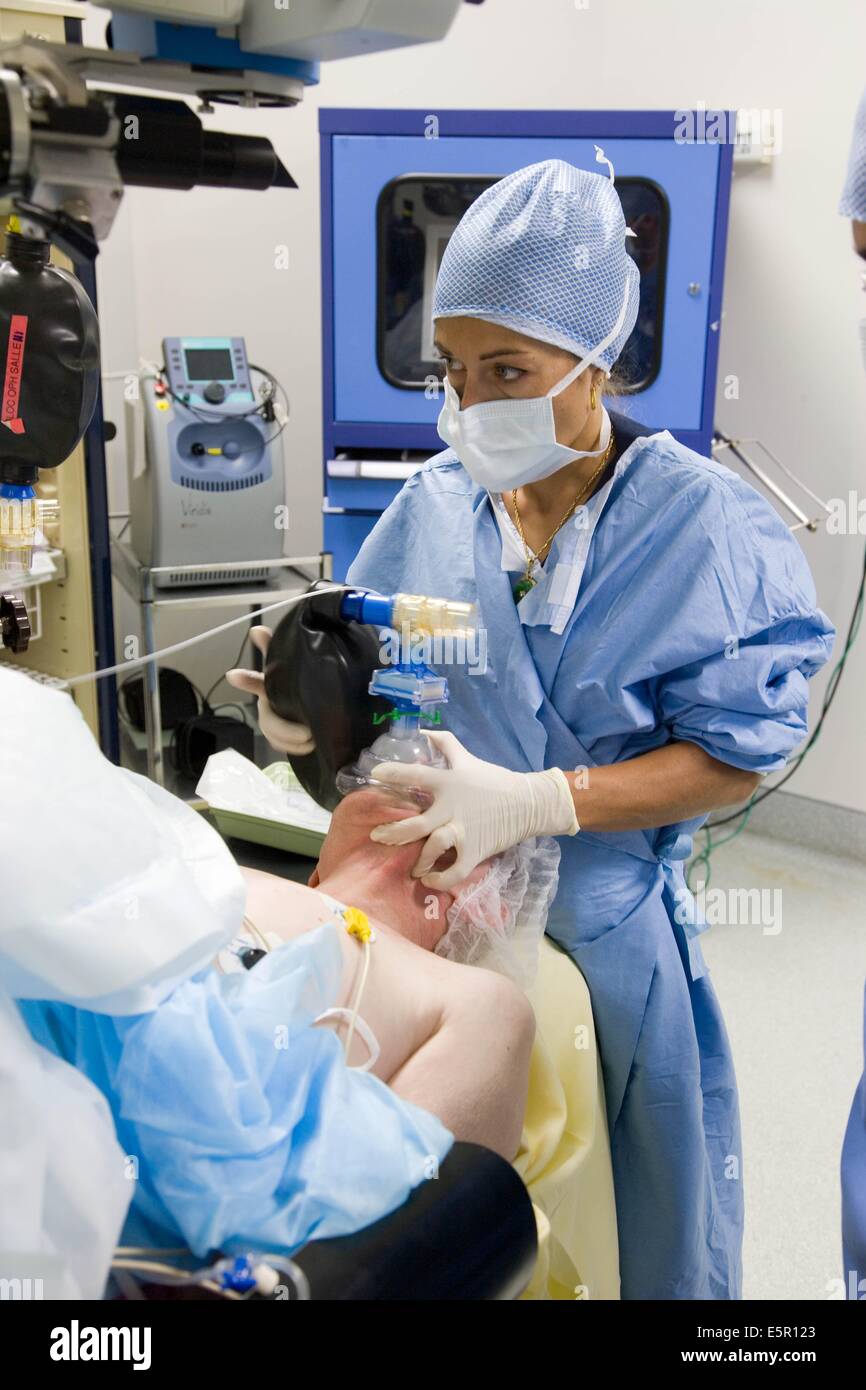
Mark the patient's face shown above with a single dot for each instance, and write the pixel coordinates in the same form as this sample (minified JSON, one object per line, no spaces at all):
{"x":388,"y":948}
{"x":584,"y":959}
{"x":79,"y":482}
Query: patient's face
{"x":378,"y":878}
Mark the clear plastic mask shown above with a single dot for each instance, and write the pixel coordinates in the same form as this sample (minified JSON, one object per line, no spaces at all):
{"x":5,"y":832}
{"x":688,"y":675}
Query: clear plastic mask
{"x":403,"y":742}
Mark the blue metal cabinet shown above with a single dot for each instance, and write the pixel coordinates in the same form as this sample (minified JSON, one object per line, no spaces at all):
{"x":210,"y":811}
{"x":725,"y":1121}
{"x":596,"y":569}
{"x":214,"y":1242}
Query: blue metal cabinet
{"x":374,"y":421}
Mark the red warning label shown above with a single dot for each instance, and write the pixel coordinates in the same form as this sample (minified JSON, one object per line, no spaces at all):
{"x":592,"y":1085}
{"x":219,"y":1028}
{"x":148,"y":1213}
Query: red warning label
{"x":12,"y":380}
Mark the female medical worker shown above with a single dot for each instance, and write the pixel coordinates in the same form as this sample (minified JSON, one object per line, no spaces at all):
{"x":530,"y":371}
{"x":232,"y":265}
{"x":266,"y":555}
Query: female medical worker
{"x":650,"y":625}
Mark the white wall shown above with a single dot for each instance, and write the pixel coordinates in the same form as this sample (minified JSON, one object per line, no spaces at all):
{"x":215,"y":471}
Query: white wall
{"x":203,"y":262}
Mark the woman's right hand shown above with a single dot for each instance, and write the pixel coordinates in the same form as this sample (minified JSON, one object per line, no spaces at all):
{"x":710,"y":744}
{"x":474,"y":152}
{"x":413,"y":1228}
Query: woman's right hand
{"x":294,"y":739}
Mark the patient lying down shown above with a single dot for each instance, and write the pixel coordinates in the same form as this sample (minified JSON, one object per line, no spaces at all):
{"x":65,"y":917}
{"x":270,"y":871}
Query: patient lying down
{"x":453,"y":1040}
{"x":238,"y":1124}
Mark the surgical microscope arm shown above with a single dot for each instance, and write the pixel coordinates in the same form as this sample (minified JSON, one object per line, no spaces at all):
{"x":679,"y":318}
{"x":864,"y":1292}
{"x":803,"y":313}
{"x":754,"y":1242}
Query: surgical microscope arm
{"x":67,"y":150}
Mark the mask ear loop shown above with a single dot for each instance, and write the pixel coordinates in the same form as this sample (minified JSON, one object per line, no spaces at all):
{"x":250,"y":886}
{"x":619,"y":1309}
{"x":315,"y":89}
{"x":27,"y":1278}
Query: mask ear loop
{"x":589,"y":358}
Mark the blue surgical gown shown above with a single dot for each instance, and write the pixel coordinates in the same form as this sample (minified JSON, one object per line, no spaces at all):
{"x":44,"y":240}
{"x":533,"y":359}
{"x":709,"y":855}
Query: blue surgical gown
{"x":854,"y":1191}
{"x":694,"y":619}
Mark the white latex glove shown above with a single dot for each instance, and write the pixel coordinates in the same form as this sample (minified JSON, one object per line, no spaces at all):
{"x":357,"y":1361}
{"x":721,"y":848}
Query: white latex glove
{"x":478,"y":809}
{"x":280,"y":733}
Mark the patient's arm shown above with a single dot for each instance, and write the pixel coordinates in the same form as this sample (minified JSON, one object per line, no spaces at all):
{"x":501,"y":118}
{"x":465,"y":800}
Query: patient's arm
{"x":455,"y":1040}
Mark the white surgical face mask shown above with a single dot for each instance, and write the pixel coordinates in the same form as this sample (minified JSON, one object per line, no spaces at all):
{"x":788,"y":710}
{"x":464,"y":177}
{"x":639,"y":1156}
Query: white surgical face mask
{"x":506,"y":444}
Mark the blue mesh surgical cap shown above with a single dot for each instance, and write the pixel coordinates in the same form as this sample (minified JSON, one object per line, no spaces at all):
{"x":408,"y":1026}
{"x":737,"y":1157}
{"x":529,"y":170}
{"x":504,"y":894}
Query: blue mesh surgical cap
{"x":543,"y":252}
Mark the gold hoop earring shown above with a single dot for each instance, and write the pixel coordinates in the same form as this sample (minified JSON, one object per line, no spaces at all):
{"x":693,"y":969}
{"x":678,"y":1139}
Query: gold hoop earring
{"x":593,"y":398}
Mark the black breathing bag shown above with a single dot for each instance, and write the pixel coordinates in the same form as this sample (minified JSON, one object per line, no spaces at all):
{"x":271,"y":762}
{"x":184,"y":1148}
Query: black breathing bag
{"x":49,"y":342}
{"x":317,"y":673}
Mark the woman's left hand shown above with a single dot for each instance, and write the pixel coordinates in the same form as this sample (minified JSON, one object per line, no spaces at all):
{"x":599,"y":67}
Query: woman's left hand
{"x":478,"y":809}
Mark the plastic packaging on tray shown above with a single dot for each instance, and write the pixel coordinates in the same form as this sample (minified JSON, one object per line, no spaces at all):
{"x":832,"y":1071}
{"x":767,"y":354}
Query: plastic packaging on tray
{"x":268,"y":807}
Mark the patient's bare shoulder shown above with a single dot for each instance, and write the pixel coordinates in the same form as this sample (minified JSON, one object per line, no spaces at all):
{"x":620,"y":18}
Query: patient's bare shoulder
{"x":282,"y":907}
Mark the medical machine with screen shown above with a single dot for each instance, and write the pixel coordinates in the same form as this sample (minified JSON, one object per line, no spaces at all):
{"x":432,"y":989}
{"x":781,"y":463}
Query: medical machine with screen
{"x":206,"y":479}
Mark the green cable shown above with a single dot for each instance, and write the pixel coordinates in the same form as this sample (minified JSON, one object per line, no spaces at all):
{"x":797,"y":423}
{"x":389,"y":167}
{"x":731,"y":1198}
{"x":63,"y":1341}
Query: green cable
{"x":704,"y":856}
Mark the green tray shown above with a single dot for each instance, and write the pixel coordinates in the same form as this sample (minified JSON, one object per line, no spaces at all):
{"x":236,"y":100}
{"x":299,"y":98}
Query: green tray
{"x":296,"y":839}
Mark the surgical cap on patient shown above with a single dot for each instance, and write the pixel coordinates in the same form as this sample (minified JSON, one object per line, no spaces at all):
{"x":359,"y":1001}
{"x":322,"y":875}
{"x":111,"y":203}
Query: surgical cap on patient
{"x":543,"y":252}
{"x":498,"y":921}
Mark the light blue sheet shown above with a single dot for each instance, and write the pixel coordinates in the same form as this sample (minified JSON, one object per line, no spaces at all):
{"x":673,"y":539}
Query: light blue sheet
{"x":242,"y":1122}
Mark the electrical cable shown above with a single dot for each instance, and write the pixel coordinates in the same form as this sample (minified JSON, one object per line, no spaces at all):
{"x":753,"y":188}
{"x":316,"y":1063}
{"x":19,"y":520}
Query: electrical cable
{"x":139,"y":661}
{"x":704,"y":855}
{"x":230,"y":704}
{"x":204,"y":418}
{"x":220,"y":679}
{"x":278,"y":433}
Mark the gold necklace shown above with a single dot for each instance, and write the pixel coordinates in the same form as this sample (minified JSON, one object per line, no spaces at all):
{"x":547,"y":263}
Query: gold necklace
{"x":522,"y":587}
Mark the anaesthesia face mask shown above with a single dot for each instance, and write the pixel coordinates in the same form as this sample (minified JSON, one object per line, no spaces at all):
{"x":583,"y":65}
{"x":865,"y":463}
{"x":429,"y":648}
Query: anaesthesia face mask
{"x":506,"y":444}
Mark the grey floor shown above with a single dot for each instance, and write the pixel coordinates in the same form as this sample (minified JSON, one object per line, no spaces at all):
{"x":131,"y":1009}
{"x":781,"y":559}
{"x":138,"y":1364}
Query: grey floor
{"x":793,"y":1003}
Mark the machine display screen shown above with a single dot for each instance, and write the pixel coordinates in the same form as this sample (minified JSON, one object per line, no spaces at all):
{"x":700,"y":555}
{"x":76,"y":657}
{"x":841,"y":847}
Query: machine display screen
{"x":209,"y":364}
